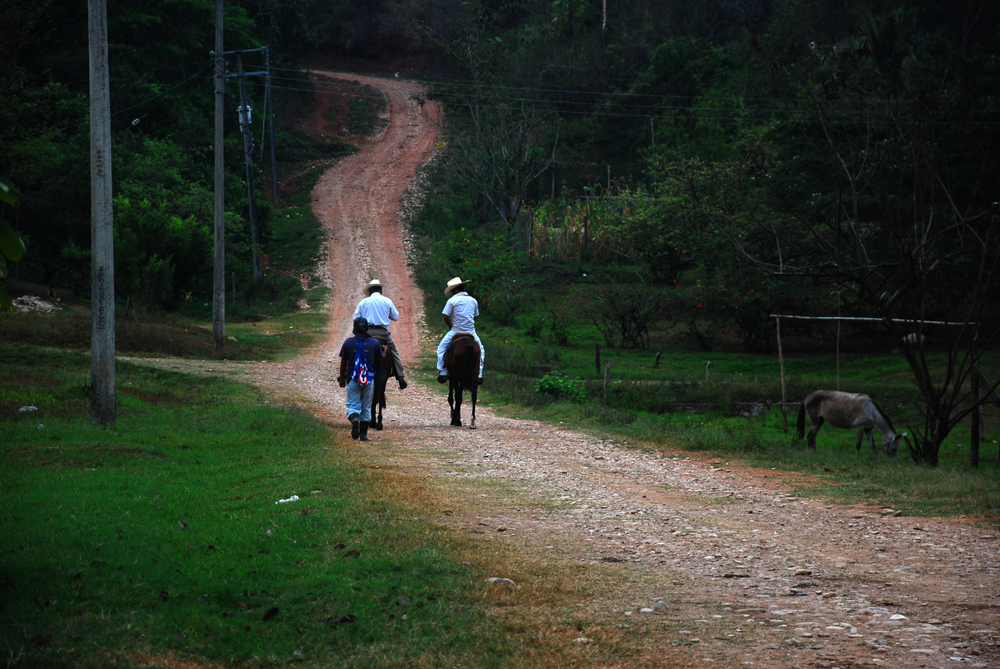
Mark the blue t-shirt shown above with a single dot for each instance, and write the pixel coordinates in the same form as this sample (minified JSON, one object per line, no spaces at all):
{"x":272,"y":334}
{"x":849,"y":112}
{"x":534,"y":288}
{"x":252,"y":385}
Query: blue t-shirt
{"x":373,"y":353}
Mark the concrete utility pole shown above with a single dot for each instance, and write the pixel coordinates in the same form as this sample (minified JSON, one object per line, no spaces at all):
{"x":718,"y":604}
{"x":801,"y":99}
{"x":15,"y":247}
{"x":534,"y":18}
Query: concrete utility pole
{"x":219,"y":285}
{"x":102,"y":305}
{"x":248,"y":150}
{"x":270,"y":113}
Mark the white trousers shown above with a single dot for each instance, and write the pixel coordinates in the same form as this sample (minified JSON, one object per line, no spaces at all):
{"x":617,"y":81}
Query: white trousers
{"x":446,"y":342}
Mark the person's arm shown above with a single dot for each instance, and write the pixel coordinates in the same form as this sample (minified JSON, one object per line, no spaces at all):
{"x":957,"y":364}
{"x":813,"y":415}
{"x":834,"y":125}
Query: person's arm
{"x":393,"y":311}
{"x":357,"y":311}
{"x":342,"y":379}
{"x":447,"y":321}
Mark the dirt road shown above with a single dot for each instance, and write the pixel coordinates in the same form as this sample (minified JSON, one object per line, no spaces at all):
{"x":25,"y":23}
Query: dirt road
{"x":747,"y":575}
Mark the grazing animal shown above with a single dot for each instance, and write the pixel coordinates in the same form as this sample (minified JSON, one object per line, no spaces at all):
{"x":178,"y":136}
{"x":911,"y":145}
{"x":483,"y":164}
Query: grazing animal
{"x":462,"y":362}
{"x":382,"y":375}
{"x":848,"y":410}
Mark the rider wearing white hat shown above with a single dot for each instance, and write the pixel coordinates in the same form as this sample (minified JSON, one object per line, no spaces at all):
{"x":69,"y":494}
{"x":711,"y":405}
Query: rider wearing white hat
{"x":460,"y":313}
{"x":379,"y":310}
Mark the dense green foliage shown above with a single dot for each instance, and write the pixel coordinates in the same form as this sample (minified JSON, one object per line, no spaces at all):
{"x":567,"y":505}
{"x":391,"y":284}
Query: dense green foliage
{"x":745,"y":159}
{"x":162,"y":136}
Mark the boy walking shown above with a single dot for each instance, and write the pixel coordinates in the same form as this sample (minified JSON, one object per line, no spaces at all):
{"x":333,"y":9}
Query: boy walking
{"x":360,"y":356}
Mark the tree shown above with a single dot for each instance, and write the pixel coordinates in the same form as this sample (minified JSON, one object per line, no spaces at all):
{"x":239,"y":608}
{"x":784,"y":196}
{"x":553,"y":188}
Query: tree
{"x":502,"y":149}
{"x":11,"y":245}
{"x":880,"y":180}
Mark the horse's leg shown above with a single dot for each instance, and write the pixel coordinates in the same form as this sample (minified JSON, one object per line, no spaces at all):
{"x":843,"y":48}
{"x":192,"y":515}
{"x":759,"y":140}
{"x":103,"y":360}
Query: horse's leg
{"x":861,"y":436}
{"x":456,"y":418}
{"x":475,"y":393}
{"x":817,"y":423}
{"x":871,"y":439}
{"x":451,"y":402}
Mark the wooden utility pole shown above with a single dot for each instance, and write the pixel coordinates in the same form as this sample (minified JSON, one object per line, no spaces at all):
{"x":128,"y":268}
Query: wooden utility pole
{"x":248,"y":151}
{"x":102,"y":247}
{"x":219,"y":284}
{"x":781,"y":364}
{"x":607,"y":380}
{"x":974,"y":437}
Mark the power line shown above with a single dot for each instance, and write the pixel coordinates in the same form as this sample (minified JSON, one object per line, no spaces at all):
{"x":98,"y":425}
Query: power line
{"x":713,"y":113}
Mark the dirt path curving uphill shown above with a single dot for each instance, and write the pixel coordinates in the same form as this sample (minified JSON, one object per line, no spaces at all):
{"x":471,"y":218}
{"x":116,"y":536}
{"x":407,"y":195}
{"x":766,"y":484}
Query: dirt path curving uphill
{"x":748,"y":575}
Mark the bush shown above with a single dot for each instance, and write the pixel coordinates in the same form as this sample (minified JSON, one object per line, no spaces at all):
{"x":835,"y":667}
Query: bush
{"x":557,"y":385}
{"x":624,"y":313}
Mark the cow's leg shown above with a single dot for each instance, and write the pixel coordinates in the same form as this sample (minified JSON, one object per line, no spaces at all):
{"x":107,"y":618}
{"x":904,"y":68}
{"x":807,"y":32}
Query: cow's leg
{"x":871,"y":439}
{"x":817,"y":423}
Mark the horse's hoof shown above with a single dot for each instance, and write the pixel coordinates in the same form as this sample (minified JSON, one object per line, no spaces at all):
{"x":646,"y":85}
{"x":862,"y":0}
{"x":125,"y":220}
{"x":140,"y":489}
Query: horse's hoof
{"x":472,"y":425}
{"x":377,"y":426}
{"x":456,"y":423}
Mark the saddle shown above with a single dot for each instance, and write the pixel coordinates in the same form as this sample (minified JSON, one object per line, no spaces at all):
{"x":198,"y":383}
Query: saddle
{"x":458,"y":337}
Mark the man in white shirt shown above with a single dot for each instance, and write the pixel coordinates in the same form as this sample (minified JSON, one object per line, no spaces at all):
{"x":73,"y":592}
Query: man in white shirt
{"x":378,"y":310}
{"x":460,"y":313}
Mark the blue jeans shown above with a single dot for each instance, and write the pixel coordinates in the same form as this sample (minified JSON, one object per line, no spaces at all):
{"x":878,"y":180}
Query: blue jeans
{"x":359,"y":401}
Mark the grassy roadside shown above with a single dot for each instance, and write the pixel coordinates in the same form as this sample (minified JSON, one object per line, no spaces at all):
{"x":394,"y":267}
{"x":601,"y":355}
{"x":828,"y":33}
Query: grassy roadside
{"x":720,"y":420}
{"x":162,"y":539}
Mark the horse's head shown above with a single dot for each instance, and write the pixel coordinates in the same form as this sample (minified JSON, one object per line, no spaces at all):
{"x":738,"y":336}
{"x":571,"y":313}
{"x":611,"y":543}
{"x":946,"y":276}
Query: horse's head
{"x":891,"y":446}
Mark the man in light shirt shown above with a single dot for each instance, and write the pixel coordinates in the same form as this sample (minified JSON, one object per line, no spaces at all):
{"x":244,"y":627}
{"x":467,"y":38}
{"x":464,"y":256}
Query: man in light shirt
{"x":378,"y":310}
{"x":460,"y":313}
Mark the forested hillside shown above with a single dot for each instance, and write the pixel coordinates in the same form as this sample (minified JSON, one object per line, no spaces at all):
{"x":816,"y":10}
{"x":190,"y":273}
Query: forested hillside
{"x":731,"y":158}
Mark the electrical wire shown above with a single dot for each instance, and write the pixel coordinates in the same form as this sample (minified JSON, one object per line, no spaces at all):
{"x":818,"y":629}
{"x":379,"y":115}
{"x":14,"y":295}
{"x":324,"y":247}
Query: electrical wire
{"x":712,"y":113}
{"x":160,"y":95}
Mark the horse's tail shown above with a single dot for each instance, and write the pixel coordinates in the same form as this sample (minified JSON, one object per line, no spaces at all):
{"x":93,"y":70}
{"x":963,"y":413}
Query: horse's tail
{"x":801,"y":424}
{"x":468,"y":374}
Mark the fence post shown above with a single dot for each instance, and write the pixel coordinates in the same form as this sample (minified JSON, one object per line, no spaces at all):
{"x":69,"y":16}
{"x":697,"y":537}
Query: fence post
{"x":974,"y":437}
{"x":708,"y":370}
{"x":607,"y":380}
{"x":656,"y":363}
{"x":597,"y":357}
{"x":781,"y":363}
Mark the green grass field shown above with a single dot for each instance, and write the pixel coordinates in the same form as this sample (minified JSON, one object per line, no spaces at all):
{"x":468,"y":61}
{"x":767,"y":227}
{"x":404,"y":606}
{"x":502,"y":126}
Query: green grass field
{"x":162,"y":537}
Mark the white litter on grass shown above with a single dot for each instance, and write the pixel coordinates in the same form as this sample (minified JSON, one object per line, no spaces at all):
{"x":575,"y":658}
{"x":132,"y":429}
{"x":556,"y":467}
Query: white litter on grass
{"x":500,"y":580}
{"x":293,"y":498}
{"x":28,"y":409}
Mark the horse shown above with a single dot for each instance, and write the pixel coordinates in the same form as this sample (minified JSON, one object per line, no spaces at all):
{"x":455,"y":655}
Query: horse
{"x":848,"y":410}
{"x":382,"y":374}
{"x":462,"y":362}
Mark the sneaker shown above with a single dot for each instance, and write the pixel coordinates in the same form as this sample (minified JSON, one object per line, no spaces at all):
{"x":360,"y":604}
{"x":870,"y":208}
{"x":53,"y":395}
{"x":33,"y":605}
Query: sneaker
{"x":402,"y":383}
{"x":442,"y":378}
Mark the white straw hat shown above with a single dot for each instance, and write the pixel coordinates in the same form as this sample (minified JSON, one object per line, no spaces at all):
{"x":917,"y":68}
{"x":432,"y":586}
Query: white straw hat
{"x":452,"y":285}
{"x":374,"y":283}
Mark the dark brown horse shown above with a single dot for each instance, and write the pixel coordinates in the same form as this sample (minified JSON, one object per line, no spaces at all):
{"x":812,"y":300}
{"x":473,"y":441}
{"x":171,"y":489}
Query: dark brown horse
{"x":848,"y":410}
{"x":382,"y":375}
{"x":462,"y":362}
